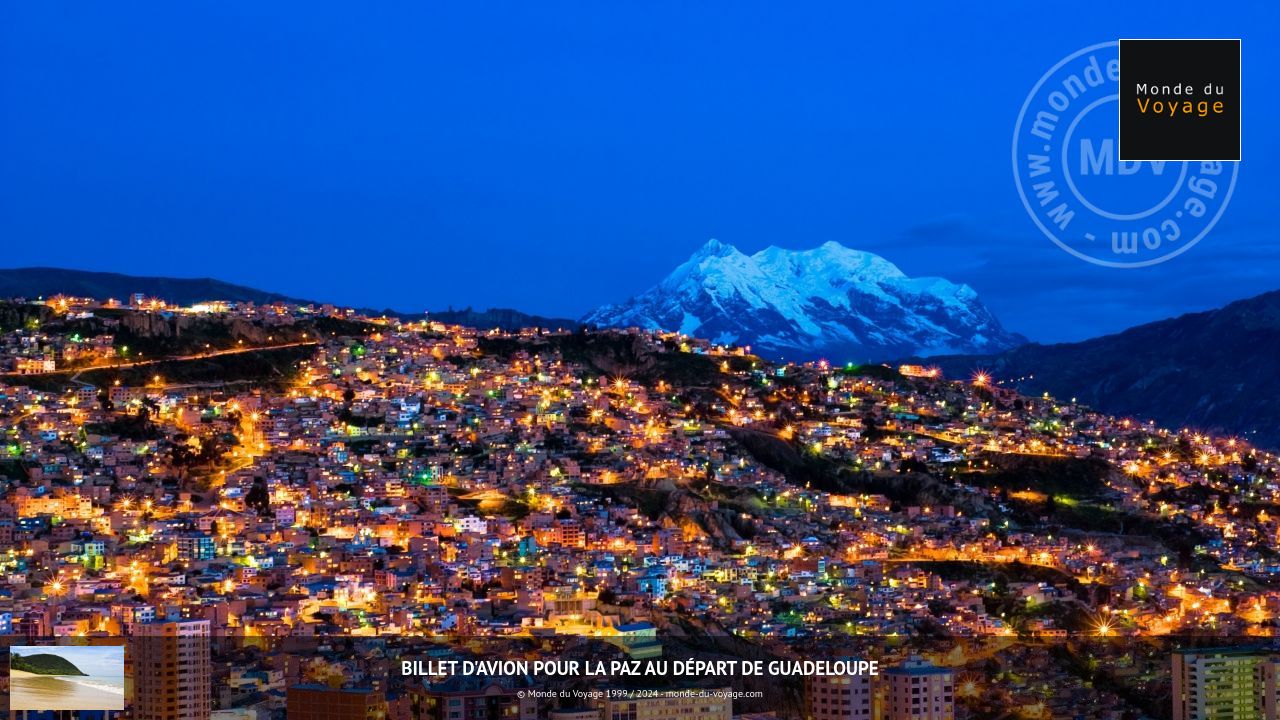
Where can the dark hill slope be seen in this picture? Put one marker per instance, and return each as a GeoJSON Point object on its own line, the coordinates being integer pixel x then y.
{"type": "Point", "coordinates": [36, 282]}
{"type": "Point", "coordinates": [1217, 371]}
{"type": "Point", "coordinates": [43, 282]}
{"type": "Point", "coordinates": [43, 664]}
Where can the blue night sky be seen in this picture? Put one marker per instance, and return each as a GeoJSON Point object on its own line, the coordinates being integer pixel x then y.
{"type": "Point", "coordinates": [555, 156]}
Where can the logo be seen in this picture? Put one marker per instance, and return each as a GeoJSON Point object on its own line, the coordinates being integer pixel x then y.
{"type": "Point", "coordinates": [1180, 100]}
{"type": "Point", "coordinates": [1070, 178]}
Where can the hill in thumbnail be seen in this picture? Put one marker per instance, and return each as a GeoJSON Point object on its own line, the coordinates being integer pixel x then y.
{"type": "Point", "coordinates": [43, 664]}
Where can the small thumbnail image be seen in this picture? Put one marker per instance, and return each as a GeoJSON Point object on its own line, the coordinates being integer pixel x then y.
{"type": "Point", "coordinates": [56, 677]}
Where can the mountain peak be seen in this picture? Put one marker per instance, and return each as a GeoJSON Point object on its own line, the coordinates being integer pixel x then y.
{"type": "Point", "coordinates": [828, 301]}
{"type": "Point", "coordinates": [714, 248]}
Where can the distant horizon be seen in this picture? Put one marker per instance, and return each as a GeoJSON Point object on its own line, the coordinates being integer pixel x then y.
{"type": "Point", "coordinates": [352, 299]}
{"type": "Point", "coordinates": [456, 307]}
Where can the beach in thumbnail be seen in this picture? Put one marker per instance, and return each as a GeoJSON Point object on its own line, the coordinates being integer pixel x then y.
{"type": "Point", "coordinates": [66, 678]}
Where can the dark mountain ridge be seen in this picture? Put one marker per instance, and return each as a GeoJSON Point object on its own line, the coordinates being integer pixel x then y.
{"type": "Point", "coordinates": [38, 282]}
{"type": "Point", "coordinates": [1216, 371]}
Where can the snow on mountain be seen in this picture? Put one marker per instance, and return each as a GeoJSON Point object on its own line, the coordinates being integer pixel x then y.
{"type": "Point", "coordinates": [830, 302]}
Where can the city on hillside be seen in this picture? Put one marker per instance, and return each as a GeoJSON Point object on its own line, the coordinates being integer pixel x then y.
{"type": "Point", "coordinates": [260, 477]}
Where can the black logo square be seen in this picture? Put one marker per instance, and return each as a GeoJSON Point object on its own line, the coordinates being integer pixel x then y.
{"type": "Point", "coordinates": [1179, 100]}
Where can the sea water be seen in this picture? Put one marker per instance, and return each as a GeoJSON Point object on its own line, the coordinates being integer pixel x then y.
{"type": "Point", "coordinates": [106, 683]}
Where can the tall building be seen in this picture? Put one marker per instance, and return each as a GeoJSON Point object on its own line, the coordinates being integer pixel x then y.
{"type": "Point", "coordinates": [320, 702]}
{"type": "Point", "coordinates": [473, 698]}
{"type": "Point", "coordinates": [195, 546]}
{"type": "Point", "coordinates": [838, 697]}
{"type": "Point", "coordinates": [1223, 684]}
{"type": "Point", "coordinates": [1269, 688]}
{"type": "Point", "coordinates": [919, 690]}
{"type": "Point", "coordinates": [688, 704]}
{"type": "Point", "coordinates": [577, 713]}
{"type": "Point", "coordinates": [171, 668]}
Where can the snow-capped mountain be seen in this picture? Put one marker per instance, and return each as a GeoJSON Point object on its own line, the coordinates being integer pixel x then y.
{"type": "Point", "coordinates": [829, 302]}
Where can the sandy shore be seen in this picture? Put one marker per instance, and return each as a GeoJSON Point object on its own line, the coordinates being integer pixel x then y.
{"type": "Point", "coordinates": [28, 691]}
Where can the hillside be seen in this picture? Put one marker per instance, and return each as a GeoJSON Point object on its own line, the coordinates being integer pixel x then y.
{"type": "Point", "coordinates": [37, 282]}
{"type": "Point", "coordinates": [43, 282]}
{"type": "Point", "coordinates": [501, 318]}
{"type": "Point", "coordinates": [1216, 371]}
{"type": "Point", "coordinates": [43, 664]}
